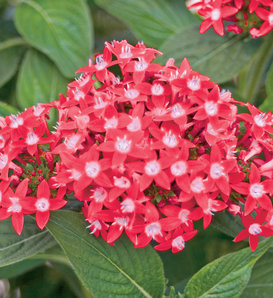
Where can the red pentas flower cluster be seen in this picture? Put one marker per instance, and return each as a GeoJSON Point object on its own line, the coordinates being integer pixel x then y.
{"type": "Point", "coordinates": [147, 152]}
{"type": "Point", "coordinates": [253, 16]}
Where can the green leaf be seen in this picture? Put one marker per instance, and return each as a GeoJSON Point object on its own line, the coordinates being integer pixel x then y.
{"type": "Point", "coordinates": [60, 29]}
{"type": "Point", "coordinates": [252, 77]}
{"type": "Point", "coordinates": [107, 270]}
{"type": "Point", "coordinates": [228, 224]}
{"type": "Point", "coordinates": [220, 58]}
{"type": "Point", "coordinates": [261, 281]}
{"type": "Point", "coordinates": [267, 105]}
{"type": "Point", "coordinates": [14, 248]}
{"type": "Point", "coordinates": [39, 80]}
{"type": "Point", "coordinates": [19, 268]}
{"type": "Point", "coordinates": [6, 109]}
{"type": "Point", "coordinates": [10, 55]}
{"type": "Point", "coordinates": [226, 276]}
{"type": "Point", "coordinates": [152, 21]}
{"type": "Point", "coordinates": [269, 81]}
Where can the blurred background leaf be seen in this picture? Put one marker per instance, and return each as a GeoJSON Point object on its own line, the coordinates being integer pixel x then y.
{"type": "Point", "coordinates": [152, 21]}
{"type": "Point", "coordinates": [107, 270]}
{"type": "Point", "coordinates": [220, 58]}
{"type": "Point", "coordinates": [60, 29]}
{"type": "Point", "coordinates": [14, 248]}
{"type": "Point", "coordinates": [39, 80]}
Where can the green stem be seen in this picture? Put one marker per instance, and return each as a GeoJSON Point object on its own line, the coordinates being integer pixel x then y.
{"type": "Point", "coordinates": [13, 42]}
{"type": "Point", "coordinates": [252, 77]}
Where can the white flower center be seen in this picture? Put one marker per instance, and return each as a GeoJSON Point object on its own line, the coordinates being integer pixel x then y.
{"type": "Point", "coordinates": [16, 121]}
{"type": "Point", "coordinates": [179, 168]}
{"type": "Point", "coordinates": [125, 52]}
{"type": "Point", "coordinates": [211, 108]}
{"type": "Point", "coordinates": [211, 130]}
{"type": "Point", "coordinates": [15, 207]}
{"type": "Point", "coordinates": [3, 160]}
{"type": "Point", "coordinates": [159, 111]}
{"type": "Point", "coordinates": [32, 138]}
{"type": "Point", "coordinates": [152, 168]}
{"type": "Point", "coordinates": [92, 169]}
{"type": "Point", "coordinates": [111, 123]}
{"type": "Point", "coordinates": [177, 111]}
{"type": "Point", "coordinates": [42, 204]}
{"type": "Point", "coordinates": [70, 142]}
{"type": "Point", "coordinates": [170, 140]}
{"type": "Point", "coordinates": [178, 243]}
{"type": "Point", "coordinates": [254, 229]}
{"type": "Point", "coordinates": [131, 93]}
{"type": "Point", "coordinates": [197, 185]}
{"type": "Point", "coordinates": [78, 94]}
{"type": "Point", "coordinates": [135, 124]}
{"type": "Point", "coordinates": [82, 120]}
{"type": "Point", "coordinates": [194, 84]}
{"type": "Point", "coordinates": [100, 63]}
{"type": "Point", "coordinates": [271, 221]}
{"type": "Point", "coordinates": [122, 182]}
{"type": "Point", "coordinates": [183, 215]}
{"type": "Point", "coordinates": [2, 142]}
{"type": "Point", "coordinates": [122, 221]}
{"type": "Point", "coordinates": [140, 66]}
{"type": "Point", "coordinates": [94, 226]}
{"type": "Point", "coordinates": [75, 175]}
{"type": "Point", "coordinates": [1, 196]}
{"type": "Point", "coordinates": [256, 190]}
{"type": "Point", "coordinates": [270, 19]}
{"type": "Point", "coordinates": [216, 171]}
{"type": "Point", "coordinates": [157, 89]}
{"type": "Point", "coordinates": [99, 103]}
{"type": "Point", "coordinates": [123, 145]}
{"type": "Point", "coordinates": [37, 110]}
{"type": "Point", "coordinates": [215, 14]}
{"type": "Point", "coordinates": [260, 120]}
{"type": "Point", "coordinates": [153, 229]}
{"type": "Point", "coordinates": [83, 80]}
{"type": "Point", "coordinates": [127, 205]}
{"type": "Point", "coordinates": [99, 194]}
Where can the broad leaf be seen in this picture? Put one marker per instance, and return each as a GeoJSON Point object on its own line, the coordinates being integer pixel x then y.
{"type": "Point", "coordinates": [267, 105]}
{"type": "Point", "coordinates": [220, 58]}
{"type": "Point", "coordinates": [152, 21]}
{"type": "Point", "coordinates": [19, 268]}
{"type": "Point", "coordinates": [61, 29]}
{"type": "Point", "coordinates": [14, 248]}
{"type": "Point", "coordinates": [261, 281]}
{"type": "Point", "coordinates": [6, 109]}
{"type": "Point", "coordinates": [269, 81]}
{"type": "Point", "coordinates": [107, 270]}
{"type": "Point", "coordinates": [39, 80]}
{"type": "Point", "coordinates": [10, 56]}
{"type": "Point", "coordinates": [228, 224]}
{"type": "Point", "coordinates": [226, 276]}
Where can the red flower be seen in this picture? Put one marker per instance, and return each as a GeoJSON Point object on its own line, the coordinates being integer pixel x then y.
{"type": "Point", "coordinates": [253, 229]}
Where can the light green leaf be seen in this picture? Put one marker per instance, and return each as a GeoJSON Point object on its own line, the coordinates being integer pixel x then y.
{"type": "Point", "coordinates": [267, 105]}
{"type": "Point", "coordinates": [226, 276]}
{"type": "Point", "coordinates": [252, 77]}
{"type": "Point", "coordinates": [105, 270]}
{"type": "Point", "coordinates": [39, 80]}
{"type": "Point", "coordinates": [220, 58]}
{"type": "Point", "coordinates": [6, 109]}
{"type": "Point", "coordinates": [269, 81]}
{"type": "Point", "coordinates": [261, 281]}
{"type": "Point", "coordinates": [14, 248]}
{"type": "Point", "coordinates": [228, 224]}
{"type": "Point", "coordinates": [10, 55]}
{"type": "Point", "coordinates": [152, 21]}
{"type": "Point", "coordinates": [60, 29]}
{"type": "Point", "coordinates": [19, 268]}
